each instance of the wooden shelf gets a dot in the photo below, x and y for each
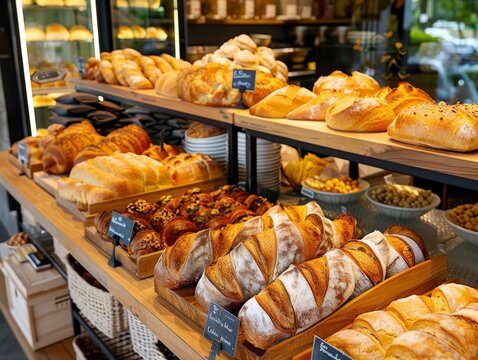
(150, 99)
(182, 337)
(254, 22)
(371, 148)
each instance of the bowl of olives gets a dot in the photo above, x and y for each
(402, 201)
(463, 220)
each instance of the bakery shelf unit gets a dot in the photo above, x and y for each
(375, 149)
(220, 117)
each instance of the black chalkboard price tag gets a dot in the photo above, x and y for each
(221, 328)
(324, 351)
(122, 227)
(48, 75)
(243, 80)
(23, 153)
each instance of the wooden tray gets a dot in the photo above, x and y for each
(47, 182)
(417, 280)
(142, 268)
(87, 216)
(29, 170)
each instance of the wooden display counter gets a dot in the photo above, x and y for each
(150, 98)
(182, 337)
(374, 148)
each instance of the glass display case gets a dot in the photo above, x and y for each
(56, 38)
(149, 26)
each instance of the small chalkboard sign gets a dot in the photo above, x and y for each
(244, 80)
(23, 153)
(324, 351)
(221, 328)
(122, 227)
(48, 75)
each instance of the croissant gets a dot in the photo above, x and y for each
(183, 263)
(59, 156)
(253, 264)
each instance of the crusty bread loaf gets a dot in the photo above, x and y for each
(183, 263)
(167, 84)
(281, 102)
(337, 80)
(186, 168)
(265, 84)
(298, 298)
(357, 345)
(403, 96)
(420, 345)
(469, 312)
(253, 264)
(353, 113)
(380, 325)
(450, 127)
(316, 109)
(450, 297)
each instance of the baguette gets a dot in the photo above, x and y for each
(448, 298)
(253, 264)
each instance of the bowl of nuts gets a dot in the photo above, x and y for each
(402, 201)
(339, 190)
(463, 220)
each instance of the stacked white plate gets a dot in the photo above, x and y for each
(268, 163)
(215, 147)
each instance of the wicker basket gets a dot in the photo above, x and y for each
(97, 305)
(144, 342)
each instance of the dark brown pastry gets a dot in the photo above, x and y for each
(141, 208)
(258, 204)
(175, 228)
(144, 242)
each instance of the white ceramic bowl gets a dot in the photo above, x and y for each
(335, 198)
(401, 212)
(465, 234)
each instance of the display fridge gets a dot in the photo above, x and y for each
(53, 39)
(149, 26)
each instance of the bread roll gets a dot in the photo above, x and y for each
(245, 58)
(108, 73)
(245, 42)
(125, 32)
(403, 96)
(34, 33)
(150, 69)
(420, 345)
(281, 102)
(450, 127)
(138, 31)
(118, 70)
(57, 32)
(448, 298)
(460, 334)
(80, 32)
(161, 64)
(380, 325)
(411, 308)
(167, 84)
(156, 33)
(337, 80)
(357, 345)
(134, 76)
(352, 113)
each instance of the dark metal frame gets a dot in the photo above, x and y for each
(251, 136)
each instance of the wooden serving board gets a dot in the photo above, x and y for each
(47, 182)
(28, 170)
(149, 97)
(142, 268)
(418, 280)
(86, 216)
